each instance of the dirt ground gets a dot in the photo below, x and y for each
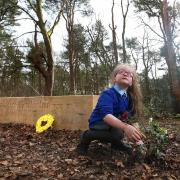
(52, 155)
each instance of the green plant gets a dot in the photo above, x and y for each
(158, 137)
(177, 116)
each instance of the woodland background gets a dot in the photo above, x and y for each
(86, 60)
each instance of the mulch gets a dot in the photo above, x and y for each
(25, 154)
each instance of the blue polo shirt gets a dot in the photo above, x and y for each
(110, 102)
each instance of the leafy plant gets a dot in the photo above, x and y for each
(177, 116)
(158, 139)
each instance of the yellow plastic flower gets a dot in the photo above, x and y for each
(44, 122)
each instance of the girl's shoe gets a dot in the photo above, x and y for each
(82, 148)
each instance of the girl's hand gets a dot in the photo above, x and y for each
(132, 133)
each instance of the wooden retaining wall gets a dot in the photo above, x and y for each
(70, 112)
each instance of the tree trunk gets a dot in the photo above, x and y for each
(49, 81)
(147, 85)
(123, 44)
(114, 35)
(146, 74)
(124, 29)
(40, 83)
(50, 70)
(48, 85)
(71, 61)
(170, 57)
(69, 18)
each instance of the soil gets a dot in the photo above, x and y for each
(24, 154)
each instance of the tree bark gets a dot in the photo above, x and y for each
(69, 18)
(113, 29)
(170, 57)
(49, 78)
(124, 29)
(39, 56)
(48, 84)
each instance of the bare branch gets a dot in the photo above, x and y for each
(96, 50)
(122, 8)
(22, 19)
(174, 16)
(161, 27)
(150, 28)
(26, 11)
(30, 3)
(28, 84)
(57, 19)
(24, 34)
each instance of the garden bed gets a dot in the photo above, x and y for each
(25, 154)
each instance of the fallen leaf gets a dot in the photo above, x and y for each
(98, 163)
(72, 149)
(69, 161)
(146, 167)
(119, 164)
(17, 162)
(51, 155)
(5, 163)
(60, 176)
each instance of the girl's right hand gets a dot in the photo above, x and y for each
(133, 134)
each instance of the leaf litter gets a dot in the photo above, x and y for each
(52, 155)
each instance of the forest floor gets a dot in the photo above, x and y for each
(25, 154)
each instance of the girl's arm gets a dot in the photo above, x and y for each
(131, 132)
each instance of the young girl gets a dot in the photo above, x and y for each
(108, 121)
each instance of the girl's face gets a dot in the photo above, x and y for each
(124, 78)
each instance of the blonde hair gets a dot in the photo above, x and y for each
(134, 90)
